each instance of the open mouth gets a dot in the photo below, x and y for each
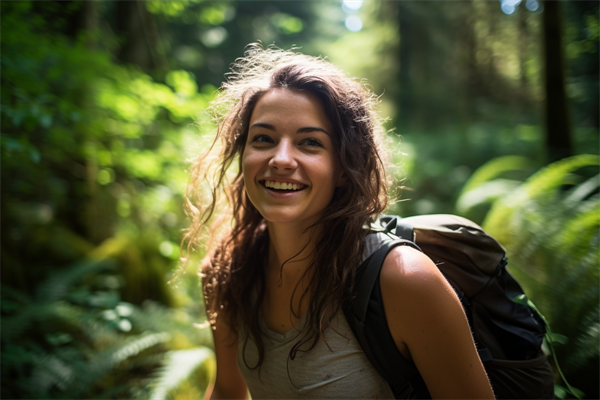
(283, 186)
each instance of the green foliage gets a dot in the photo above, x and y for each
(485, 185)
(94, 157)
(550, 226)
(179, 366)
(78, 341)
(94, 146)
(438, 164)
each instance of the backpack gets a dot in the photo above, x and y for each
(508, 334)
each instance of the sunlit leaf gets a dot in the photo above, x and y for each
(178, 366)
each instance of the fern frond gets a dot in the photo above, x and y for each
(48, 371)
(583, 191)
(12, 327)
(544, 182)
(156, 317)
(485, 193)
(587, 344)
(136, 345)
(579, 231)
(494, 169)
(178, 366)
(101, 363)
(57, 287)
(100, 334)
(500, 217)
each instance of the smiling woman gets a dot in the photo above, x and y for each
(290, 166)
(311, 176)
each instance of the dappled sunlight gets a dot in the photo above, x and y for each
(106, 106)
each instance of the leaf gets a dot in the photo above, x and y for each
(542, 184)
(102, 363)
(583, 190)
(179, 365)
(58, 285)
(485, 193)
(495, 168)
(554, 175)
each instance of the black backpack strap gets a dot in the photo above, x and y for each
(366, 317)
(398, 227)
(370, 276)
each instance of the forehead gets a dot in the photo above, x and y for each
(290, 107)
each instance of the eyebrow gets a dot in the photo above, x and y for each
(305, 129)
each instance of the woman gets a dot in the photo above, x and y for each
(311, 174)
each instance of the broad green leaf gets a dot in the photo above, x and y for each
(494, 169)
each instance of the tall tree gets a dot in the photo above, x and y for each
(557, 121)
(132, 21)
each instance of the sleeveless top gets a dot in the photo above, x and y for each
(336, 367)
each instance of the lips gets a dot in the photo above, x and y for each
(283, 186)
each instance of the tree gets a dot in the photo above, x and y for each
(556, 116)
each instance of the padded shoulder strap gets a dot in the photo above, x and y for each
(371, 274)
(366, 317)
(397, 226)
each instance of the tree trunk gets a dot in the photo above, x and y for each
(131, 28)
(405, 103)
(557, 122)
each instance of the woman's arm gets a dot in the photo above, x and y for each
(427, 321)
(229, 383)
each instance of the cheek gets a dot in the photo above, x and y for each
(250, 166)
(245, 170)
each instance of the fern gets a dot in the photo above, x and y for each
(156, 317)
(541, 187)
(178, 366)
(553, 242)
(59, 349)
(59, 284)
(485, 193)
(135, 346)
(543, 183)
(51, 370)
(100, 364)
(494, 169)
(489, 183)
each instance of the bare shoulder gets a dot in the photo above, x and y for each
(408, 270)
(413, 288)
(429, 326)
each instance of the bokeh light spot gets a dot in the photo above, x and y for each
(532, 5)
(354, 23)
(352, 5)
(509, 6)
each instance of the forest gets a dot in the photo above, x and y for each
(491, 110)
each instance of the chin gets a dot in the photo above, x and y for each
(289, 218)
(279, 218)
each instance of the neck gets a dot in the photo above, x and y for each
(292, 244)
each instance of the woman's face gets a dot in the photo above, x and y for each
(290, 167)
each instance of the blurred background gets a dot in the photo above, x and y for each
(492, 111)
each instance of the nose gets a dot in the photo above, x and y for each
(284, 157)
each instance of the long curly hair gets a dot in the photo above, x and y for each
(233, 270)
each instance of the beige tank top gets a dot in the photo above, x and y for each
(336, 367)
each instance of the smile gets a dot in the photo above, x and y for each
(276, 185)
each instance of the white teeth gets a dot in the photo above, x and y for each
(283, 185)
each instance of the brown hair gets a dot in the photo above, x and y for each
(233, 275)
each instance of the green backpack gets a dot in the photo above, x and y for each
(508, 333)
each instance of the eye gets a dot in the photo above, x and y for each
(262, 139)
(312, 142)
